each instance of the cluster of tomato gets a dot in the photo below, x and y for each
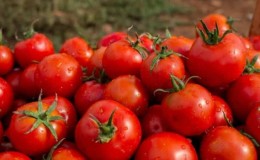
(133, 97)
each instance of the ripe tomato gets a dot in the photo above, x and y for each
(189, 111)
(166, 146)
(7, 155)
(129, 91)
(35, 127)
(253, 61)
(33, 49)
(6, 60)
(255, 40)
(217, 61)
(6, 97)
(111, 38)
(253, 122)
(243, 94)
(87, 94)
(108, 130)
(13, 78)
(121, 58)
(226, 143)
(59, 74)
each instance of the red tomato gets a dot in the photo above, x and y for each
(189, 111)
(111, 38)
(255, 40)
(87, 94)
(108, 130)
(217, 64)
(147, 43)
(153, 121)
(6, 97)
(243, 94)
(35, 127)
(121, 58)
(8, 155)
(253, 61)
(96, 65)
(13, 78)
(166, 146)
(226, 143)
(59, 74)
(253, 122)
(32, 49)
(129, 91)
(6, 60)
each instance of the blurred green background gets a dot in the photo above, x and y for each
(91, 19)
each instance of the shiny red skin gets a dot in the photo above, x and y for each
(125, 140)
(190, 111)
(153, 121)
(79, 49)
(33, 49)
(87, 94)
(96, 65)
(166, 146)
(255, 40)
(59, 74)
(6, 97)
(27, 85)
(217, 65)
(110, 38)
(243, 94)
(129, 91)
(13, 78)
(253, 122)
(15, 155)
(67, 110)
(147, 43)
(250, 54)
(40, 140)
(226, 143)
(6, 60)
(120, 58)
(222, 110)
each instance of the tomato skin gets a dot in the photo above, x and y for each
(87, 94)
(6, 60)
(6, 97)
(217, 65)
(40, 140)
(123, 143)
(250, 54)
(13, 78)
(243, 94)
(189, 111)
(226, 143)
(59, 74)
(120, 58)
(32, 49)
(166, 146)
(7, 155)
(255, 40)
(253, 122)
(111, 38)
(129, 91)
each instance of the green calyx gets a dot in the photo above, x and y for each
(106, 130)
(141, 50)
(250, 66)
(211, 37)
(42, 117)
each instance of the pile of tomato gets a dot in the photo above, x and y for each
(132, 96)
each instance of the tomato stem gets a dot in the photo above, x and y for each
(250, 66)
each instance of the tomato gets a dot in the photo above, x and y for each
(87, 94)
(121, 58)
(6, 97)
(33, 49)
(13, 78)
(253, 122)
(80, 50)
(111, 38)
(226, 143)
(147, 42)
(153, 121)
(223, 114)
(156, 69)
(35, 127)
(255, 40)
(59, 74)
(28, 87)
(166, 146)
(108, 130)
(253, 61)
(217, 61)
(189, 111)
(243, 94)
(6, 60)
(7, 155)
(96, 65)
(129, 91)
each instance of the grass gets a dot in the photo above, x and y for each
(91, 19)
